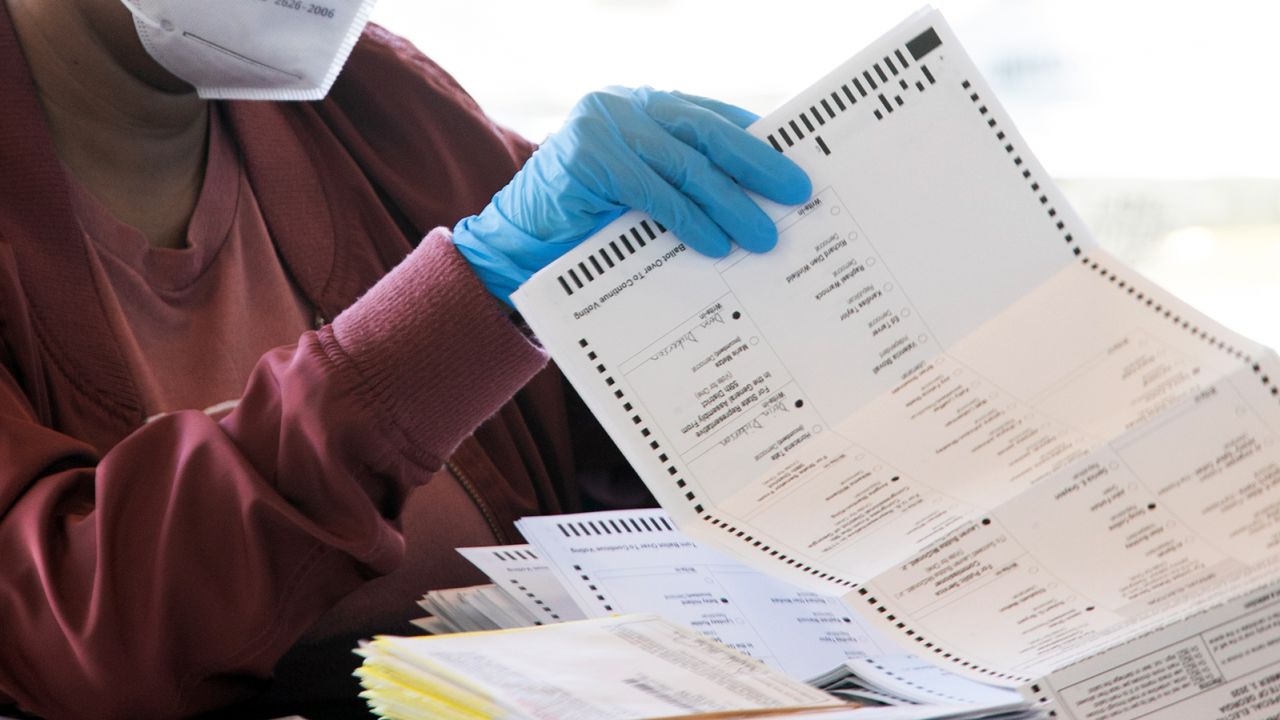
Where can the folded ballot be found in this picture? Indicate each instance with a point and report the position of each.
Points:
(940, 400)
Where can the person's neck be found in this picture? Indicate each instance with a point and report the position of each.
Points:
(138, 148)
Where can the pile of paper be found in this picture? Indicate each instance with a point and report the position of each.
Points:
(525, 592)
(472, 609)
(909, 680)
(625, 667)
(601, 565)
(630, 666)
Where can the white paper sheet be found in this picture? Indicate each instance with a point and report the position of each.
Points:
(528, 579)
(938, 396)
(1222, 664)
(432, 625)
(636, 561)
(456, 609)
(921, 682)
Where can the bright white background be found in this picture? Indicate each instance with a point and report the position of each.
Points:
(1162, 117)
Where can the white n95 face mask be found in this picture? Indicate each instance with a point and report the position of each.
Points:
(252, 49)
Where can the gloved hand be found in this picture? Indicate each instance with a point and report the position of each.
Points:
(682, 159)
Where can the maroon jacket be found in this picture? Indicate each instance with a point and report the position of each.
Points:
(156, 570)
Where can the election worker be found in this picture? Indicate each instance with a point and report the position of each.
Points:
(259, 371)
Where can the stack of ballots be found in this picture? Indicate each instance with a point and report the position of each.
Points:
(628, 666)
(627, 564)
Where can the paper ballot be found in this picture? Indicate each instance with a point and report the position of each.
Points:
(636, 561)
(527, 579)
(938, 397)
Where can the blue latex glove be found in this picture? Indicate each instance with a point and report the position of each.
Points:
(682, 159)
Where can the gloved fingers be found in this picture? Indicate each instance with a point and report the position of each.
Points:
(741, 117)
(675, 210)
(714, 192)
(627, 180)
(753, 163)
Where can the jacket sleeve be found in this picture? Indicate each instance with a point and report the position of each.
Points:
(169, 574)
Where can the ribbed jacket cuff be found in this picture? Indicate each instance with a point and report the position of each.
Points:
(433, 350)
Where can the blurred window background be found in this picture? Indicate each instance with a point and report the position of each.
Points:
(1159, 119)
